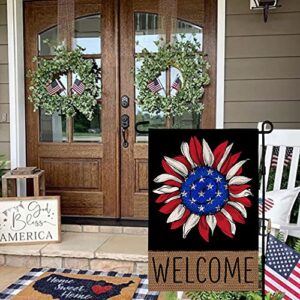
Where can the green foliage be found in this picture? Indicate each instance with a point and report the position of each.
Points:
(171, 296)
(63, 62)
(185, 56)
(232, 296)
(280, 236)
(297, 246)
(3, 165)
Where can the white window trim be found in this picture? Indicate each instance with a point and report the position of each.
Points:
(17, 84)
(220, 86)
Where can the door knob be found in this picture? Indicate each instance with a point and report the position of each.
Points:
(124, 127)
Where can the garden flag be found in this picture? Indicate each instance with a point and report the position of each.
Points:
(78, 87)
(282, 269)
(155, 86)
(203, 209)
(55, 87)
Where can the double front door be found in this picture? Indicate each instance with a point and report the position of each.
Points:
(100, 167)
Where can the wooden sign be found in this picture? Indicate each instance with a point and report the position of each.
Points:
(30, 220)
(203, 210)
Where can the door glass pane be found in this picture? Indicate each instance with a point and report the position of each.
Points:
(147, 31)
(53, 128)
(49, 35)
(83, 129)
(88, 34)
(188, 32)
(155, 120)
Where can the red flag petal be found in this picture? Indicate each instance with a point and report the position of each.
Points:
(239, 172)
(173, 183)
(223, 224)
(236, 189)
(169, 207)
(180, 222)
(232, 159)
(183, 160)
(219, 152)
(196, 151)
(168, 169)
(235, 214)
(203, 228)
(245, 201)
(164, 197)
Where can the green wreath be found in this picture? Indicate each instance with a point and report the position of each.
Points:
(49, 70)
(186, 57)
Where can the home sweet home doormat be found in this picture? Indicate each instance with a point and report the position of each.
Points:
(203, 210)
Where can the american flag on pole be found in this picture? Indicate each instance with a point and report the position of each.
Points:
(282, 269)
(55, 87)
(176, 85)
(287, 158)
(154, 86)
(78, 87)
(268, 203)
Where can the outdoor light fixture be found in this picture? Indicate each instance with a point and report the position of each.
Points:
(265, 5)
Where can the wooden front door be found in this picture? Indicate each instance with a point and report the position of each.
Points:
(86, 161)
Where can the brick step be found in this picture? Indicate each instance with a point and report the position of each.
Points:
(119, 252)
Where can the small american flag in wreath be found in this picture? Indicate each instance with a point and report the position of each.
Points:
(78, 87)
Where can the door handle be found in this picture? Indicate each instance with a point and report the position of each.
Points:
(124, 126)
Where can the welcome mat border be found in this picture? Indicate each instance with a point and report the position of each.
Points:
(141, 292)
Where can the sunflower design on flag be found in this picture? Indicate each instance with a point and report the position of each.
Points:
(204, 189)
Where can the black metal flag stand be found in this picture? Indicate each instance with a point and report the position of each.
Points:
(266, 128)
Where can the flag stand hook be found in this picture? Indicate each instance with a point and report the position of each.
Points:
(266, 128)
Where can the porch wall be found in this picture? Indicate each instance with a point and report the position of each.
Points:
(4, 100)
(262, 65)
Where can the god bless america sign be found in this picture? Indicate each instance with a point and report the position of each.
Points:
(203, 210)
(29, 220)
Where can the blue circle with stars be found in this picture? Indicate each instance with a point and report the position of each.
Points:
(204, 191)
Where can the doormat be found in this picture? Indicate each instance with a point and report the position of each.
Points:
(66, 284)
(203, 209)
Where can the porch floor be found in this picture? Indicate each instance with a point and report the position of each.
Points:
(105, 251)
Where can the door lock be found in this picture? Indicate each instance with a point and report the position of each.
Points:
(125, 101)
(124, 126)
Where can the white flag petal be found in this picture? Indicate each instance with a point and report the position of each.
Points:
(172, 198)
(166, 189)
(225, 155)
(185, 150)
(239, 180)
(165, 177)
(176, 214)
(212, 222)
(208, 156)
(229, 218)
(191, 222)
(177, 166)
(234, 169)
(239, 206)
(244, 193)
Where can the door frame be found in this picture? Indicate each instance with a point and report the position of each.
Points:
(15, 26)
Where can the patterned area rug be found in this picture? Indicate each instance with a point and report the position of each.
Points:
(66, 284)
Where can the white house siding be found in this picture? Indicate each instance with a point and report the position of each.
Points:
(262, 76)
(4, 100)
